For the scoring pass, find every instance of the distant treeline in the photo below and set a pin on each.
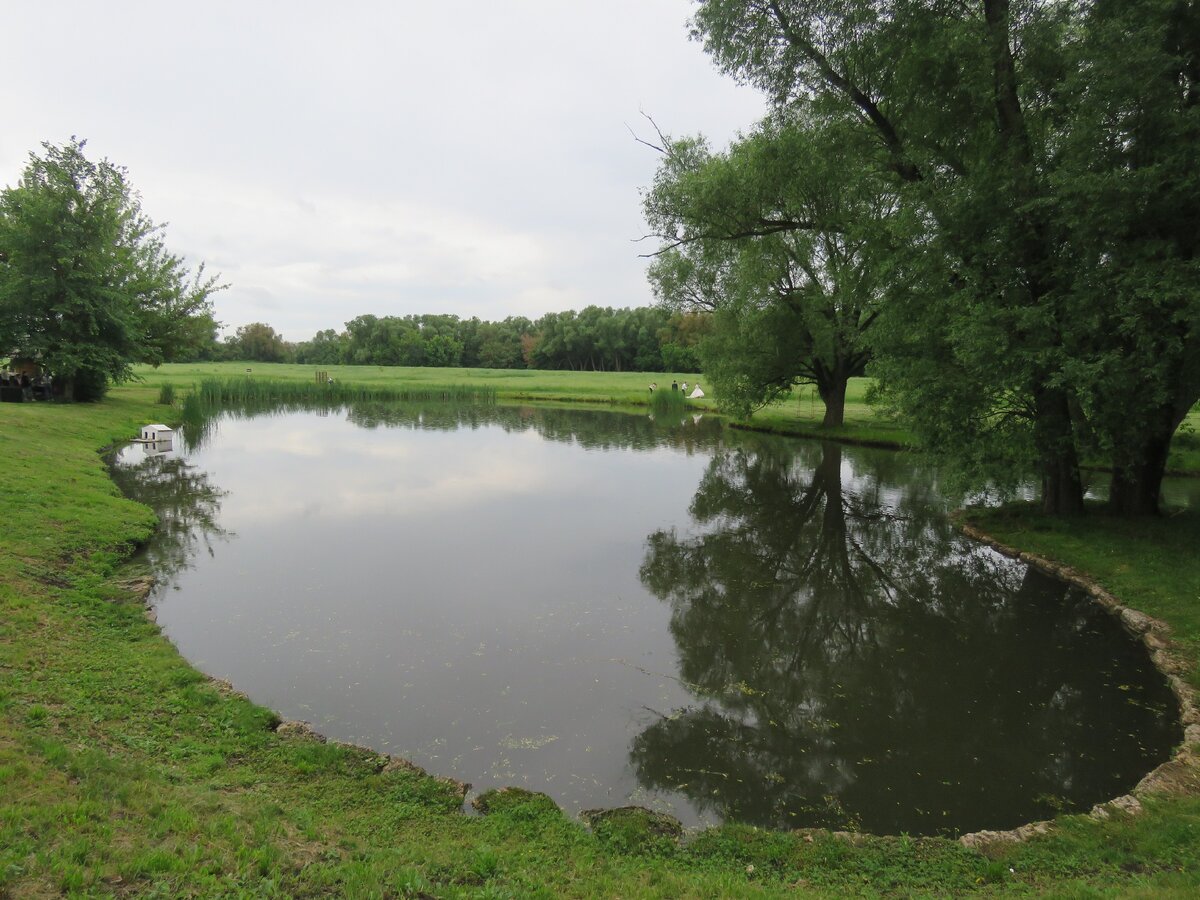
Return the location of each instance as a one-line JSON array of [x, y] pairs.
[[602, 339]]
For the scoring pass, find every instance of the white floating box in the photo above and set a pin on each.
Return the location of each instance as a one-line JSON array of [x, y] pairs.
[[156, 433]]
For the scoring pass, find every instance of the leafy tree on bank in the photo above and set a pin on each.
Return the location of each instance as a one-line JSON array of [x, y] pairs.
[[1130, 187], [259, 342], [87, 286], [327, 348], [499, 344], [680, 340], [774, 237], [1044, 164]]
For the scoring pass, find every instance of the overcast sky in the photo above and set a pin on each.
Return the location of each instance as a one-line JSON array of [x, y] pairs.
[[401, 157]]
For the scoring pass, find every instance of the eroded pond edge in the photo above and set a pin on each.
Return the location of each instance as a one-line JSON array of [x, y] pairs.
[[1178, 775]]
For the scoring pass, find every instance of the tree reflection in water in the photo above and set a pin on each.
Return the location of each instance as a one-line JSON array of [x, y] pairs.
[[185, 500], [858, 664]]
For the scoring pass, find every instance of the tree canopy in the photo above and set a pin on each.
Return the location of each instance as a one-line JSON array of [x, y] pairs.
[[596, 338], [87, 285], [776, 237], [1042, 297]]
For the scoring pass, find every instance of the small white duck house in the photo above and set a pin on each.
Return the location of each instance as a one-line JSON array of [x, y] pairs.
[[154, 433]]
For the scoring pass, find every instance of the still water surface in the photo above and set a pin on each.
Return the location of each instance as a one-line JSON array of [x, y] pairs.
[[614, 610]]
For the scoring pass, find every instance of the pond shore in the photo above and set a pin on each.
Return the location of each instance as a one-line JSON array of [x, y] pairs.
[[125, 770]]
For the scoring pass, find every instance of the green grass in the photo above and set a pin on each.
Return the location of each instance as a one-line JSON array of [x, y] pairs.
[[1185, 448], [125, 771]]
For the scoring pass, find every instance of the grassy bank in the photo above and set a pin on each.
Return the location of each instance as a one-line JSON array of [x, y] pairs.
[[123, 770]]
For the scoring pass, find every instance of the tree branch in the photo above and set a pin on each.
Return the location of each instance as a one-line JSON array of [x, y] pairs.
[[883, 125]]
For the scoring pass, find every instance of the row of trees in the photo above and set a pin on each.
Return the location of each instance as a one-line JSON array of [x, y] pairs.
[[602, 339], [996, 202]]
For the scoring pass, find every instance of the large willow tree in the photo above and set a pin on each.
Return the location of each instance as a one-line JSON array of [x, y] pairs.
[[1045, 159], [780, 238]]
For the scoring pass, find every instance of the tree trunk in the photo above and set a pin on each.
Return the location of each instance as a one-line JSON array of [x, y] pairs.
[[1135, 488], [1062, 488], [1138, 471], [831, 385]]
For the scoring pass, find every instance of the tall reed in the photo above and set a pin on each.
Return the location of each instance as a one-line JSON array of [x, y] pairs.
[[241, 397], [223, 391], [668, 401]]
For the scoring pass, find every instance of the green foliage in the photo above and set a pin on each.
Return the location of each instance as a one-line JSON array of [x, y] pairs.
[[258, 342], [166, 394], [87, 286], [1041, 270], [665, 401], [516, 802], [632, 829], [597, 338], [779, 237]]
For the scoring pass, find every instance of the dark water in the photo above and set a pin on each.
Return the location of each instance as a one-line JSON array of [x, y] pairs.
[[614, 611]]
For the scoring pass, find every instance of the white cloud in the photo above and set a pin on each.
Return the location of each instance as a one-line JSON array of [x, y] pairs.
[[376, 157]]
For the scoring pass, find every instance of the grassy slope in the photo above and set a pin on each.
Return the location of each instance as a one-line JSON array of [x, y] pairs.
[[123, 769]]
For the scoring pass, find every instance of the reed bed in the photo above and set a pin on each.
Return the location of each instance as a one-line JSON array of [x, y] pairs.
[[236, 391], [241, 398], [666, 401]]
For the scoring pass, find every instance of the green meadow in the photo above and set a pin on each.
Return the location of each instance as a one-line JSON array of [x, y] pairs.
[[124, 771]]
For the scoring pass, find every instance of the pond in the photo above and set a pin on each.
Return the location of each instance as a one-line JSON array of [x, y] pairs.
[[614, 610]]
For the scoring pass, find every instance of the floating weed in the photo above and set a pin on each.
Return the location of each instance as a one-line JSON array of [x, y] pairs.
[[527, 743]]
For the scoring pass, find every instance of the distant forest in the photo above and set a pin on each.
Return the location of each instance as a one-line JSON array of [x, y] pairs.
[[601, 339]]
